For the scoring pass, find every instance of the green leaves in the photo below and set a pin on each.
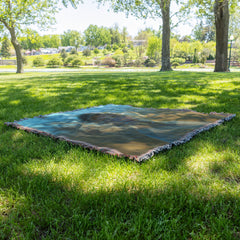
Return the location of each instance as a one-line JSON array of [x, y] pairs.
[[16, 15], [21, 13], [74, 3], [5, 49], [97, 36], [71, 38]]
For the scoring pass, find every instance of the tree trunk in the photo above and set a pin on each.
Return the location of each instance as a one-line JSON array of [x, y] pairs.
[[17, 48], [165, 8], [221, 12]]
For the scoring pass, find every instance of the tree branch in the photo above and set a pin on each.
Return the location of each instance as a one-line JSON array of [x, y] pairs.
[[5, 23]]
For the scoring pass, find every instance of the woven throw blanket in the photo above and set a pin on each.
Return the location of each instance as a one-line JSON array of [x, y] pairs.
[[122, 130]]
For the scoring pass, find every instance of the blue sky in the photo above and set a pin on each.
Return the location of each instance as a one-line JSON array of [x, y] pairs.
[[89, 13]]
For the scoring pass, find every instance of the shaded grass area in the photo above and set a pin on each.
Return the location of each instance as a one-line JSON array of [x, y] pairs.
[[52, 190]]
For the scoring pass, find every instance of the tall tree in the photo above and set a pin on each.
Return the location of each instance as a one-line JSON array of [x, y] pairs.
[[16, 15], [124, 35], [115, 35], [72, 38], [221, 13], [33, 39], [166, 33], [154, 48], [205, 32], [144, 34], [221, 10], [144, 9], [97, 36], [51, 41]]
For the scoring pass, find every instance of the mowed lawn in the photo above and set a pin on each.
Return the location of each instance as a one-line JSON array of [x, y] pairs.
[[52, 190]]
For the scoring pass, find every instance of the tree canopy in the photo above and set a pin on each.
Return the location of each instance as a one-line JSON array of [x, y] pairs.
[[22, 13], [17, 15], [71, 38], [97, 36], [234, 25]]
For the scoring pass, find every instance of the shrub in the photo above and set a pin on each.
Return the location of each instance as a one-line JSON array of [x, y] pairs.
[[115, 46], [118, 52], [109, 48], [180, 54], [74, 51], [178, 60], [86, 52], [76, 62], [131, 46], [24, 60], [126, 59], [38, 62], [138, 62], [195, 59], [153, 48], [54, 62], [96, 50], [150, 62], [68, 60], [236, 54], [122, 45], [125, 50], [211, 57], [203, 59], [73, 61], [195, 56], [105, 52], [63, 54], [97, 62], [119, 60], [130, 63], [109, 61], [175, 64]]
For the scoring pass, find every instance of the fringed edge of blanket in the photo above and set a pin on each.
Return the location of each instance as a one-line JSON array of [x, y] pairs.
[[185, 138], [115, 152]]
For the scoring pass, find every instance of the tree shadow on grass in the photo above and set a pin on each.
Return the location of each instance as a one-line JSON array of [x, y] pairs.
[[61, 93], [43, 205], [109, 198], [48, 205], [86, 89], [39, 95]]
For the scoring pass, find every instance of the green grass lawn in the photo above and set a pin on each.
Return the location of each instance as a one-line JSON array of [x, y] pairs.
[[52, 190]]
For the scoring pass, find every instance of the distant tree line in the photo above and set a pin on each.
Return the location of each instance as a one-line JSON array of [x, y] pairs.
[[93, 36], [196, 48], [17, 15]]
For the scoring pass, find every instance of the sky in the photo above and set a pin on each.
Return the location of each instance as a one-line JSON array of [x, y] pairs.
[[88, 13]]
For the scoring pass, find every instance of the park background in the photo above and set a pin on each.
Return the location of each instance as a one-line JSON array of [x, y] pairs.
[[93, 36]]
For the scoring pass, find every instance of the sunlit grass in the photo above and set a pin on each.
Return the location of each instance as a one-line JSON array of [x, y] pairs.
[[52, 190]]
